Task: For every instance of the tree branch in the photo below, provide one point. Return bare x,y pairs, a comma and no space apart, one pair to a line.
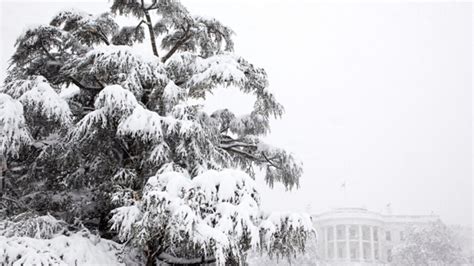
81,86
150,29
269,161
152,6
102,36
139,24
173,50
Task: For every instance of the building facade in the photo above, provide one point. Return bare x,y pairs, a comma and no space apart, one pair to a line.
361,237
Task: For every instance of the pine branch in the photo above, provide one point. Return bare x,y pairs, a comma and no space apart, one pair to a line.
178,44
231,145
81,86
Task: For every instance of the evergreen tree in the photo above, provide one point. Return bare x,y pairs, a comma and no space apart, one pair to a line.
96,135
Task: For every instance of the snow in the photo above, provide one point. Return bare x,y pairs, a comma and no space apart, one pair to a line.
16,88
69,92
116,101
172,182
160,153
191,202
295,221
173,198
29,239
42,99
223,184
13,131
119,65
224,67
77,249
123,220
83,128
37,226
172,94
253,123
143,124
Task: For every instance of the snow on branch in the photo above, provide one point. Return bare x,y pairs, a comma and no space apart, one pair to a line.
84,128
112,103
41,41
16,88
116,65
43,100
172,95
172,199
201,75
280,165
116,101
143,124
286,234
32,225
13,131
129,35
87,28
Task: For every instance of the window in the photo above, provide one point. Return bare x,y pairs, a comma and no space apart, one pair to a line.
341,232
367,250
376,253
330,233
402,236
376,234
331,251
353,232
388,236
354,248
341,250
389,255
365,233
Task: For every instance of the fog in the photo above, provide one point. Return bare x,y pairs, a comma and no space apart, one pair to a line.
377,96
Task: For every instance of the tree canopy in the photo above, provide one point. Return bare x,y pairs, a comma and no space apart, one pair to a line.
97,136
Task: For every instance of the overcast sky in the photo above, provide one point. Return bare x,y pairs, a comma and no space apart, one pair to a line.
376,95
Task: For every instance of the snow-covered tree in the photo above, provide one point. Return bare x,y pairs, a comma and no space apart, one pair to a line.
99,134
431,244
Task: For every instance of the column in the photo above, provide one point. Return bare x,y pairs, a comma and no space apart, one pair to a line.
361,246
380,243
348,248
334,243
372,244
326,242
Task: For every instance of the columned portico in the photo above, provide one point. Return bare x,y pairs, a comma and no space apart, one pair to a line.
356,240
357,236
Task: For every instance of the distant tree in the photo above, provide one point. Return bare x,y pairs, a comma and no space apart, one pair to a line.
100,136
431,244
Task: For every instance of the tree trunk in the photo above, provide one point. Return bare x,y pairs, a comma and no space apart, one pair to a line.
150,259
152,33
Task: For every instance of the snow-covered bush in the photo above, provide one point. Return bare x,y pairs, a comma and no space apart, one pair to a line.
98,133
432,244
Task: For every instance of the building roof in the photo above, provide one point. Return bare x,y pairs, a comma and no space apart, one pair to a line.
363,213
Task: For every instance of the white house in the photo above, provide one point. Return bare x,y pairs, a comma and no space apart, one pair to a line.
357,236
